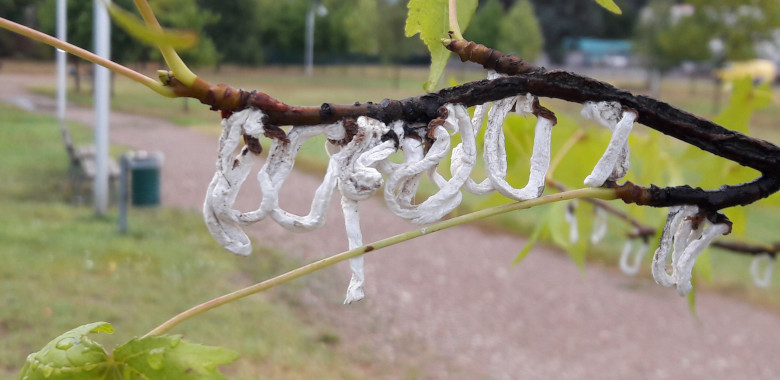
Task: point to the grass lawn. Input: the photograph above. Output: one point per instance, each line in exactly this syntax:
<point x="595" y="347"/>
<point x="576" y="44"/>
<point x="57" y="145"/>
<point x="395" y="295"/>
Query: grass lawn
<point x="63" y="267"/>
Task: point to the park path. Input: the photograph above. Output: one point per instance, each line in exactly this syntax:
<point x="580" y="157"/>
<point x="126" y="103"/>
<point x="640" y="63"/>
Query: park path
<point x="450" y="306"/>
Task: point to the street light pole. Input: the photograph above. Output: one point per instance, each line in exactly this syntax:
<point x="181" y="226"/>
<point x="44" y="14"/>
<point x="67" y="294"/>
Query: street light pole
<point x="309" y="52"/>
<point x="62" y="83"/>
<point x="102" y="96"/>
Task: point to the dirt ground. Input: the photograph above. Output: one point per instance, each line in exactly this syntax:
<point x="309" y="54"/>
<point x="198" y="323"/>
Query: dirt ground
<point x="451" y="306"/>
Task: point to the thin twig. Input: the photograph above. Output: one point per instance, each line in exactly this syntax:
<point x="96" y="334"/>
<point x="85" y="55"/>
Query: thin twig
<point x="173" y="60"/>
<point x="87" y="55"/>
<point x="705" y="134"/>
<point x="709" y="200"/>
<point x="749" y="249"/>
<point x="453" y="16"/>
<point x="641" y="230"/>
<point x="326" y="262"/>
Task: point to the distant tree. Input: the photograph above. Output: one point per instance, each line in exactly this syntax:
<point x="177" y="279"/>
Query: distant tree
<point x="235" y="18"/>
<point x="19" y="11"/>
<point x="124" y="48"/>
<point x="520" y="33"/>
<point x="489" y="15"/>
<point x="738" y="25"/>
<point x="281" y="30"/>
<point x="562" y="19"/>
<point x="670" y="34"/>
<point x="391" y="25"/>
<point x="187" y="14"/>
<point x="361" y="27"/>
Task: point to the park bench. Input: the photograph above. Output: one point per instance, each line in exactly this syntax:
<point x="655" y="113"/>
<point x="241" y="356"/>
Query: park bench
<point x="82" y="167"/>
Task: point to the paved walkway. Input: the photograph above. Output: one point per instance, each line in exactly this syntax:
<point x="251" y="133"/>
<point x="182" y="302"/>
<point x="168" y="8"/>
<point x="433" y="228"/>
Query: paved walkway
<point x="451" y="304"/>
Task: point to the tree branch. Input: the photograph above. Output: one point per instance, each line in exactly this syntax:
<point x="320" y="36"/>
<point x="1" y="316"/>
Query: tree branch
<point x="748" y="249"/>
<point x="704" y="134"/>
<point x="707" y="135"/>
<point x="710" y="200"/>
<point x="641" y="230"/>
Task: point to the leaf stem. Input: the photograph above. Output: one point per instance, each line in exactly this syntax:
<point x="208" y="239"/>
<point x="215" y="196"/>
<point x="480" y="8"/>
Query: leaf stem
<point x="87" y="55"/>
<point x="453" y="14"/>
<point x="600" y="193"/>
<point x="179" y="69"/>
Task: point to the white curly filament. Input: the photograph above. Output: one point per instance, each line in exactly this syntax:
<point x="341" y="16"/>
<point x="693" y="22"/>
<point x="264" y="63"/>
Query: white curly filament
<point x="688" y="258"/>
<point x="599" y="225"/>
<point x="571" y="218"/>
<point x="614" y="163"/>
<point x="358" y="177"/>
<point x="661" y="254"/>
<point x="449" y="196"/>
<point x="220" y="217"/>
<point x="762" y="280"/>
<point x="632" y="268"/>
<point x="403" y="181"/>
<point x="355" y="290"/>
<point x="273" y="175"/>
<point x="685" y="233"/>
<point x="480" y="111"/>
<point x="495" y="149"/>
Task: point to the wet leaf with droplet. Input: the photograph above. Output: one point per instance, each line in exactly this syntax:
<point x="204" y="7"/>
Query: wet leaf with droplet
<point x="71" y="355"/>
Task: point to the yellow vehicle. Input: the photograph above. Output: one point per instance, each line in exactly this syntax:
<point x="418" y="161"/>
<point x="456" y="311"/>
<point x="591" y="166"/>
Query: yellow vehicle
<point x="761" y="70"/>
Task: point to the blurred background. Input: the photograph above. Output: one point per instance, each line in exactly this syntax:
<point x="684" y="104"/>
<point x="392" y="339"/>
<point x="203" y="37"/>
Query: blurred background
<point x="664" y="37"/>
<point x="61" y="266"/>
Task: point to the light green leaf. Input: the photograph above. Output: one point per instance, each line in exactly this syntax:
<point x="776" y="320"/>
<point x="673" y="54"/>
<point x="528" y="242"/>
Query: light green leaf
<point x="610" y="6"/>
<point x="133" y="25"/>
<point x="539" y="228"/>
<point x="745" y="99"/>
<point x="738" y="217"/>
<point x="560" y="233"/>
<point x="430" y="19"/>
<point x="703" y="266"/>
<point x="71" y="355"/>
<point x="559" y="227"/>
<point x="692" y="299"/>
<point x="170" y="357"/>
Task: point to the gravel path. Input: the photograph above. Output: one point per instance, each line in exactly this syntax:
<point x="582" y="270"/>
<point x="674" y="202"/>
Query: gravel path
<point x="450" y="305"/>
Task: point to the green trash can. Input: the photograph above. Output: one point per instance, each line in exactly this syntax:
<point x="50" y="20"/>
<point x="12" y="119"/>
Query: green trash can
<point x="144" y="170"/>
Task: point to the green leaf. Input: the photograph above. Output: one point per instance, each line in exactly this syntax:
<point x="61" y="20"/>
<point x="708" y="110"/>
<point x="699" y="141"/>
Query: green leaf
<point x="539" y="229"/>
<point x="692" y="299"/>
<point x="610" y="6"/>
<point x="170" y="357"/>
<point x="71" y="355"/>
<point x="560" y="231"/>
<point x="430" y="19"/>
<point x="745" y="99"/>
<point x="738" y="217"/>
<point x="703" y="266"/>
<point x="133" y="25"/>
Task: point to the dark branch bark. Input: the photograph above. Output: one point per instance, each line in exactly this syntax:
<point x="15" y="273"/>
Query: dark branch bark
<point x="755" y="153"/>
<point x="748" y="249"/>
<point x="709" y="200"/>
<point x="704" y="134"/>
